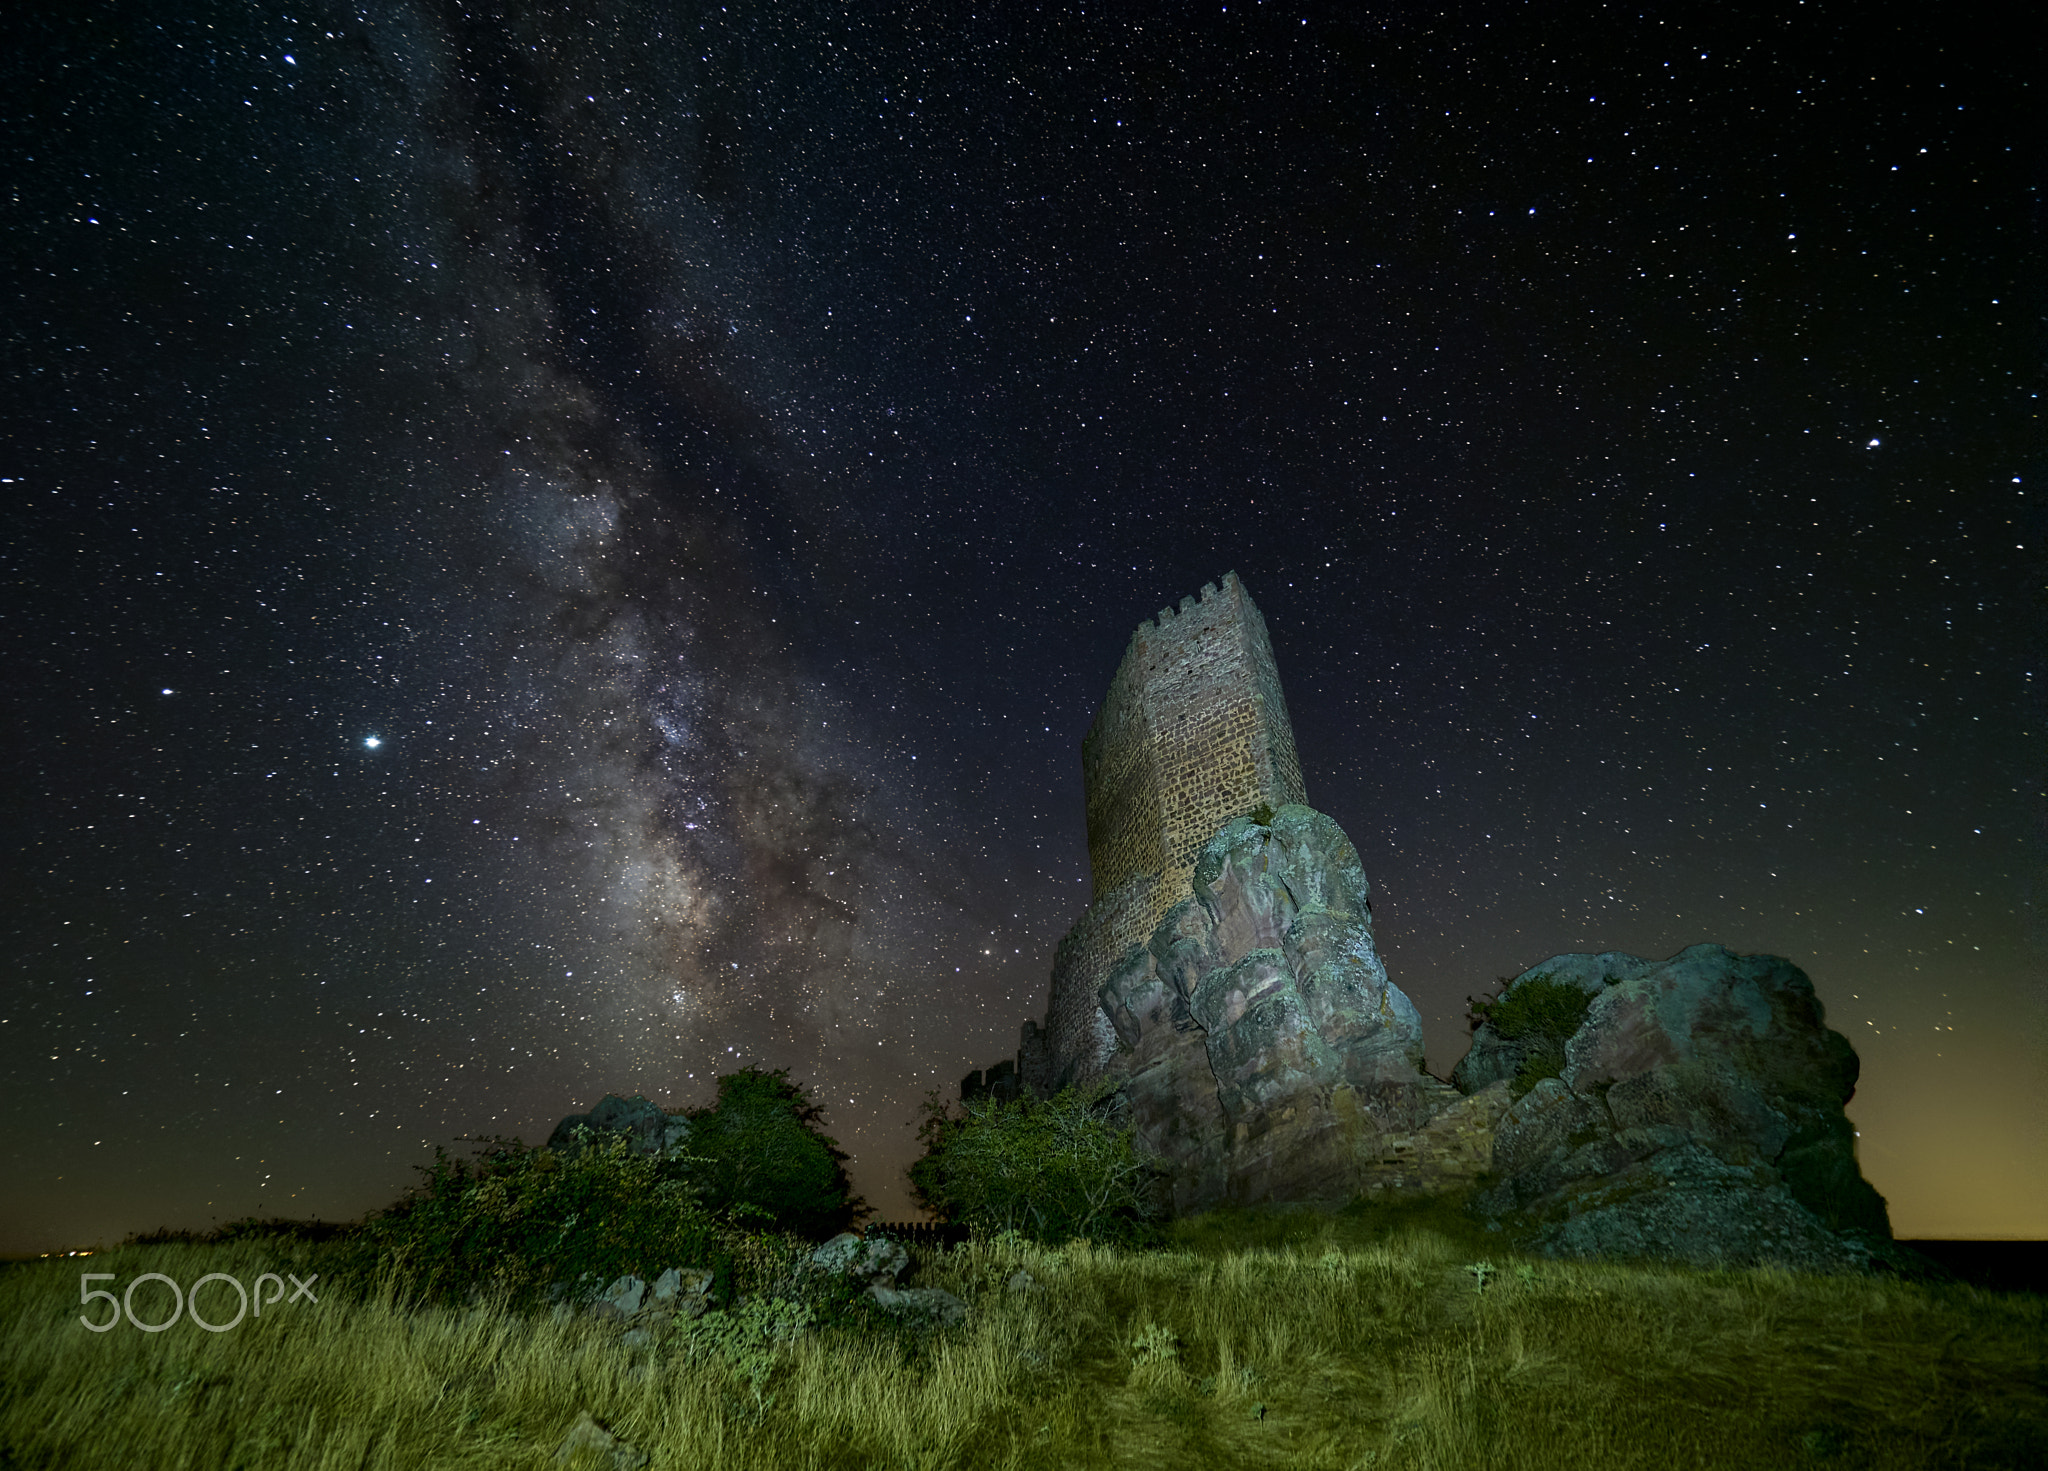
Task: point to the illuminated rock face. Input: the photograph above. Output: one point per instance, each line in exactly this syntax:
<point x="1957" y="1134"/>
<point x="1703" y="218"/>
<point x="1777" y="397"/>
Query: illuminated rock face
<point x="1226" y="976"/>
<point x="647" y="1128"/>
<point x="1192" y="732"/>
<point x="1225" y="969"/>
<point x="1265" y="1055"/>
<point x="1697" y="1115"/>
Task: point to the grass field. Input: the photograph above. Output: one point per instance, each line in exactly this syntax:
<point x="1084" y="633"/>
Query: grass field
<point x="1257" y="1341"/>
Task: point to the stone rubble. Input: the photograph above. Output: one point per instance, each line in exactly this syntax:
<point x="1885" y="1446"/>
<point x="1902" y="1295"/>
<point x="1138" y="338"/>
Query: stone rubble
<point x="681" y="1294"/>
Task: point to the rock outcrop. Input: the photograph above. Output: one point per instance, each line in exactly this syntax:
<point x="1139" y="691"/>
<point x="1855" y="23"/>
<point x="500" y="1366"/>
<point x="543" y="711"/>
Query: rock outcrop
<point x="1696" y="1114"/>
<point x="1610" y="1106"/>
<point x="1263" y="1052"/>
<point x="649" y="1130"/>
<point x="1688" y="1109"/>
<point x="876" y="1261"/>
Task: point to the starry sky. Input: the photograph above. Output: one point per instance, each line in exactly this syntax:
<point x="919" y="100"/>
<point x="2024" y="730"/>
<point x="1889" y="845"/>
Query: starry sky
<point x="562" y="549"/>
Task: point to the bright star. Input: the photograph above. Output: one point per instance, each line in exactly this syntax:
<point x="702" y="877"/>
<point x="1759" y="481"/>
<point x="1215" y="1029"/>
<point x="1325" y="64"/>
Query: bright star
<point x="372" y="742"/>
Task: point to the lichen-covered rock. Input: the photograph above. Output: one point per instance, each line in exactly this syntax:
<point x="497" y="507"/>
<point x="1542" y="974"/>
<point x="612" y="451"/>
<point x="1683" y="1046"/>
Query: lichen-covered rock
<point x="1289" y="912"/>
<point x="1169" y="1091"/>
<point x="1696" y="1115"/>
<point x="685" y="1293"/>
<point x="1263" y="1052"/>
<point x="875" y="1260"/>
<point x="649" y="1130"/>
<point x="1500" y="1051"/>
<point x="620" y="1301"/>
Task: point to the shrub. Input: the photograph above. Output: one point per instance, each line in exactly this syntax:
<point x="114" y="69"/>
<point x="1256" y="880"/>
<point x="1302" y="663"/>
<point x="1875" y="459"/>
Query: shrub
<point x="748" y="1341"/>
<point x="518" y="1219"/>
<point x="1049" y="1170"/>
<point x="760" y="1154"/>
<point x="1542" y="1013"/>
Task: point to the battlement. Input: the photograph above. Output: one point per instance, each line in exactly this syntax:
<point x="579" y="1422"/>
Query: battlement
<point x="1188" y="604"/>
<point x="1193" y="732"/>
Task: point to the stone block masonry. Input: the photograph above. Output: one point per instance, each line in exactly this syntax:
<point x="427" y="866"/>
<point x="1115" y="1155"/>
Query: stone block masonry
<point x="1193" y="732"/>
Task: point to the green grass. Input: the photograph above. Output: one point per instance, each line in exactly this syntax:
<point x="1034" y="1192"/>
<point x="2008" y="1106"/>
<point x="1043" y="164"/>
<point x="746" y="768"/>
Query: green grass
<point x="1255" y="1340"/>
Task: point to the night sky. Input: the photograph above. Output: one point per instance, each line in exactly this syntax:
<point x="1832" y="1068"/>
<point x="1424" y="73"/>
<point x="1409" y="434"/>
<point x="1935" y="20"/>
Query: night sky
<point x="565" y="549"/>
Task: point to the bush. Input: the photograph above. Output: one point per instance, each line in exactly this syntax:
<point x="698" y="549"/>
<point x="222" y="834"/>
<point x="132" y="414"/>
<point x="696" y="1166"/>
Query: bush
<point x="759" y="1154"/>
<point x="518" y="1220"/>
<point x="521" y="1219"/>
<point x="1050" y="1171"/>
<point x="748" y="1341"/>
<point x="1541" y="1012"/>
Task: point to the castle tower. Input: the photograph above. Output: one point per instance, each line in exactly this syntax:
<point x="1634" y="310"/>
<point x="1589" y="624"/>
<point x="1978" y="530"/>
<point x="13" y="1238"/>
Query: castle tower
<point x="1193" y="732"/>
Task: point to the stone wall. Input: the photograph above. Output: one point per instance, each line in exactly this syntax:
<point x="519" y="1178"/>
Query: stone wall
<point x="1193" y="732"/>
<point x="1452" y="1150"/>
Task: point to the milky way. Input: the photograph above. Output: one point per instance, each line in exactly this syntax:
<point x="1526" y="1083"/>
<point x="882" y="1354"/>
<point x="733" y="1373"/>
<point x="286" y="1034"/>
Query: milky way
<point x="566" y="551"/>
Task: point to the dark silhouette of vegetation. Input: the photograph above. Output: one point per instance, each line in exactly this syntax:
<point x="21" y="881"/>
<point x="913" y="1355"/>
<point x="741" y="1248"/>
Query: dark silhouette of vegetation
<point x="249" y="1228"/>
<point x="760" y="1153"/>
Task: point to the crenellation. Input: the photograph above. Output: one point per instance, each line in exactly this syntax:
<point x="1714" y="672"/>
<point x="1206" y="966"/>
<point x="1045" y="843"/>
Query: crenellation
<point x="1192" y="732"/>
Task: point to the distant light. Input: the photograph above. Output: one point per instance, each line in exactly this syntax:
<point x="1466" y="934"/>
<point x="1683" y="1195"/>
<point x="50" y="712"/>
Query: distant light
<point x="288" y="58"/>
<point x="166" y="691"/>
<point x="373" y="742"/>
<point x="1871" y="445"/>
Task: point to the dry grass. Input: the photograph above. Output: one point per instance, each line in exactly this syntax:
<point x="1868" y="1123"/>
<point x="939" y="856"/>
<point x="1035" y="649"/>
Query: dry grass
<point x="1267" y="1342"/>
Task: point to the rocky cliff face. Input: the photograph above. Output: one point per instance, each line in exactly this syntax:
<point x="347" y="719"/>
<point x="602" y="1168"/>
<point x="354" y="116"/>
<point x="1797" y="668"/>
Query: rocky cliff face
<point x="1696" y="1115"/>
<point x="1266" y="1056"/>
<point x="1686" y="1109"/>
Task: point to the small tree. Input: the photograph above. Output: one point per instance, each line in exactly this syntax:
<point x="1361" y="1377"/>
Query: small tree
<point x="1048" y="1170"/>
<point x="760" y="1152"/>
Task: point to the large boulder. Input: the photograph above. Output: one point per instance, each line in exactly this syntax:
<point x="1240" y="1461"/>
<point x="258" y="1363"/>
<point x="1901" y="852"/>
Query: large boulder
<point x="875" y="1260"/>
<point x="645" y="1126"/>
<point x="1694" y="1113"/>
<point x="1263" y="1052"/>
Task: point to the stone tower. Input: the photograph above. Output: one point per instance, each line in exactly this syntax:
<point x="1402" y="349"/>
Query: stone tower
<point x="1192" y="733"/>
